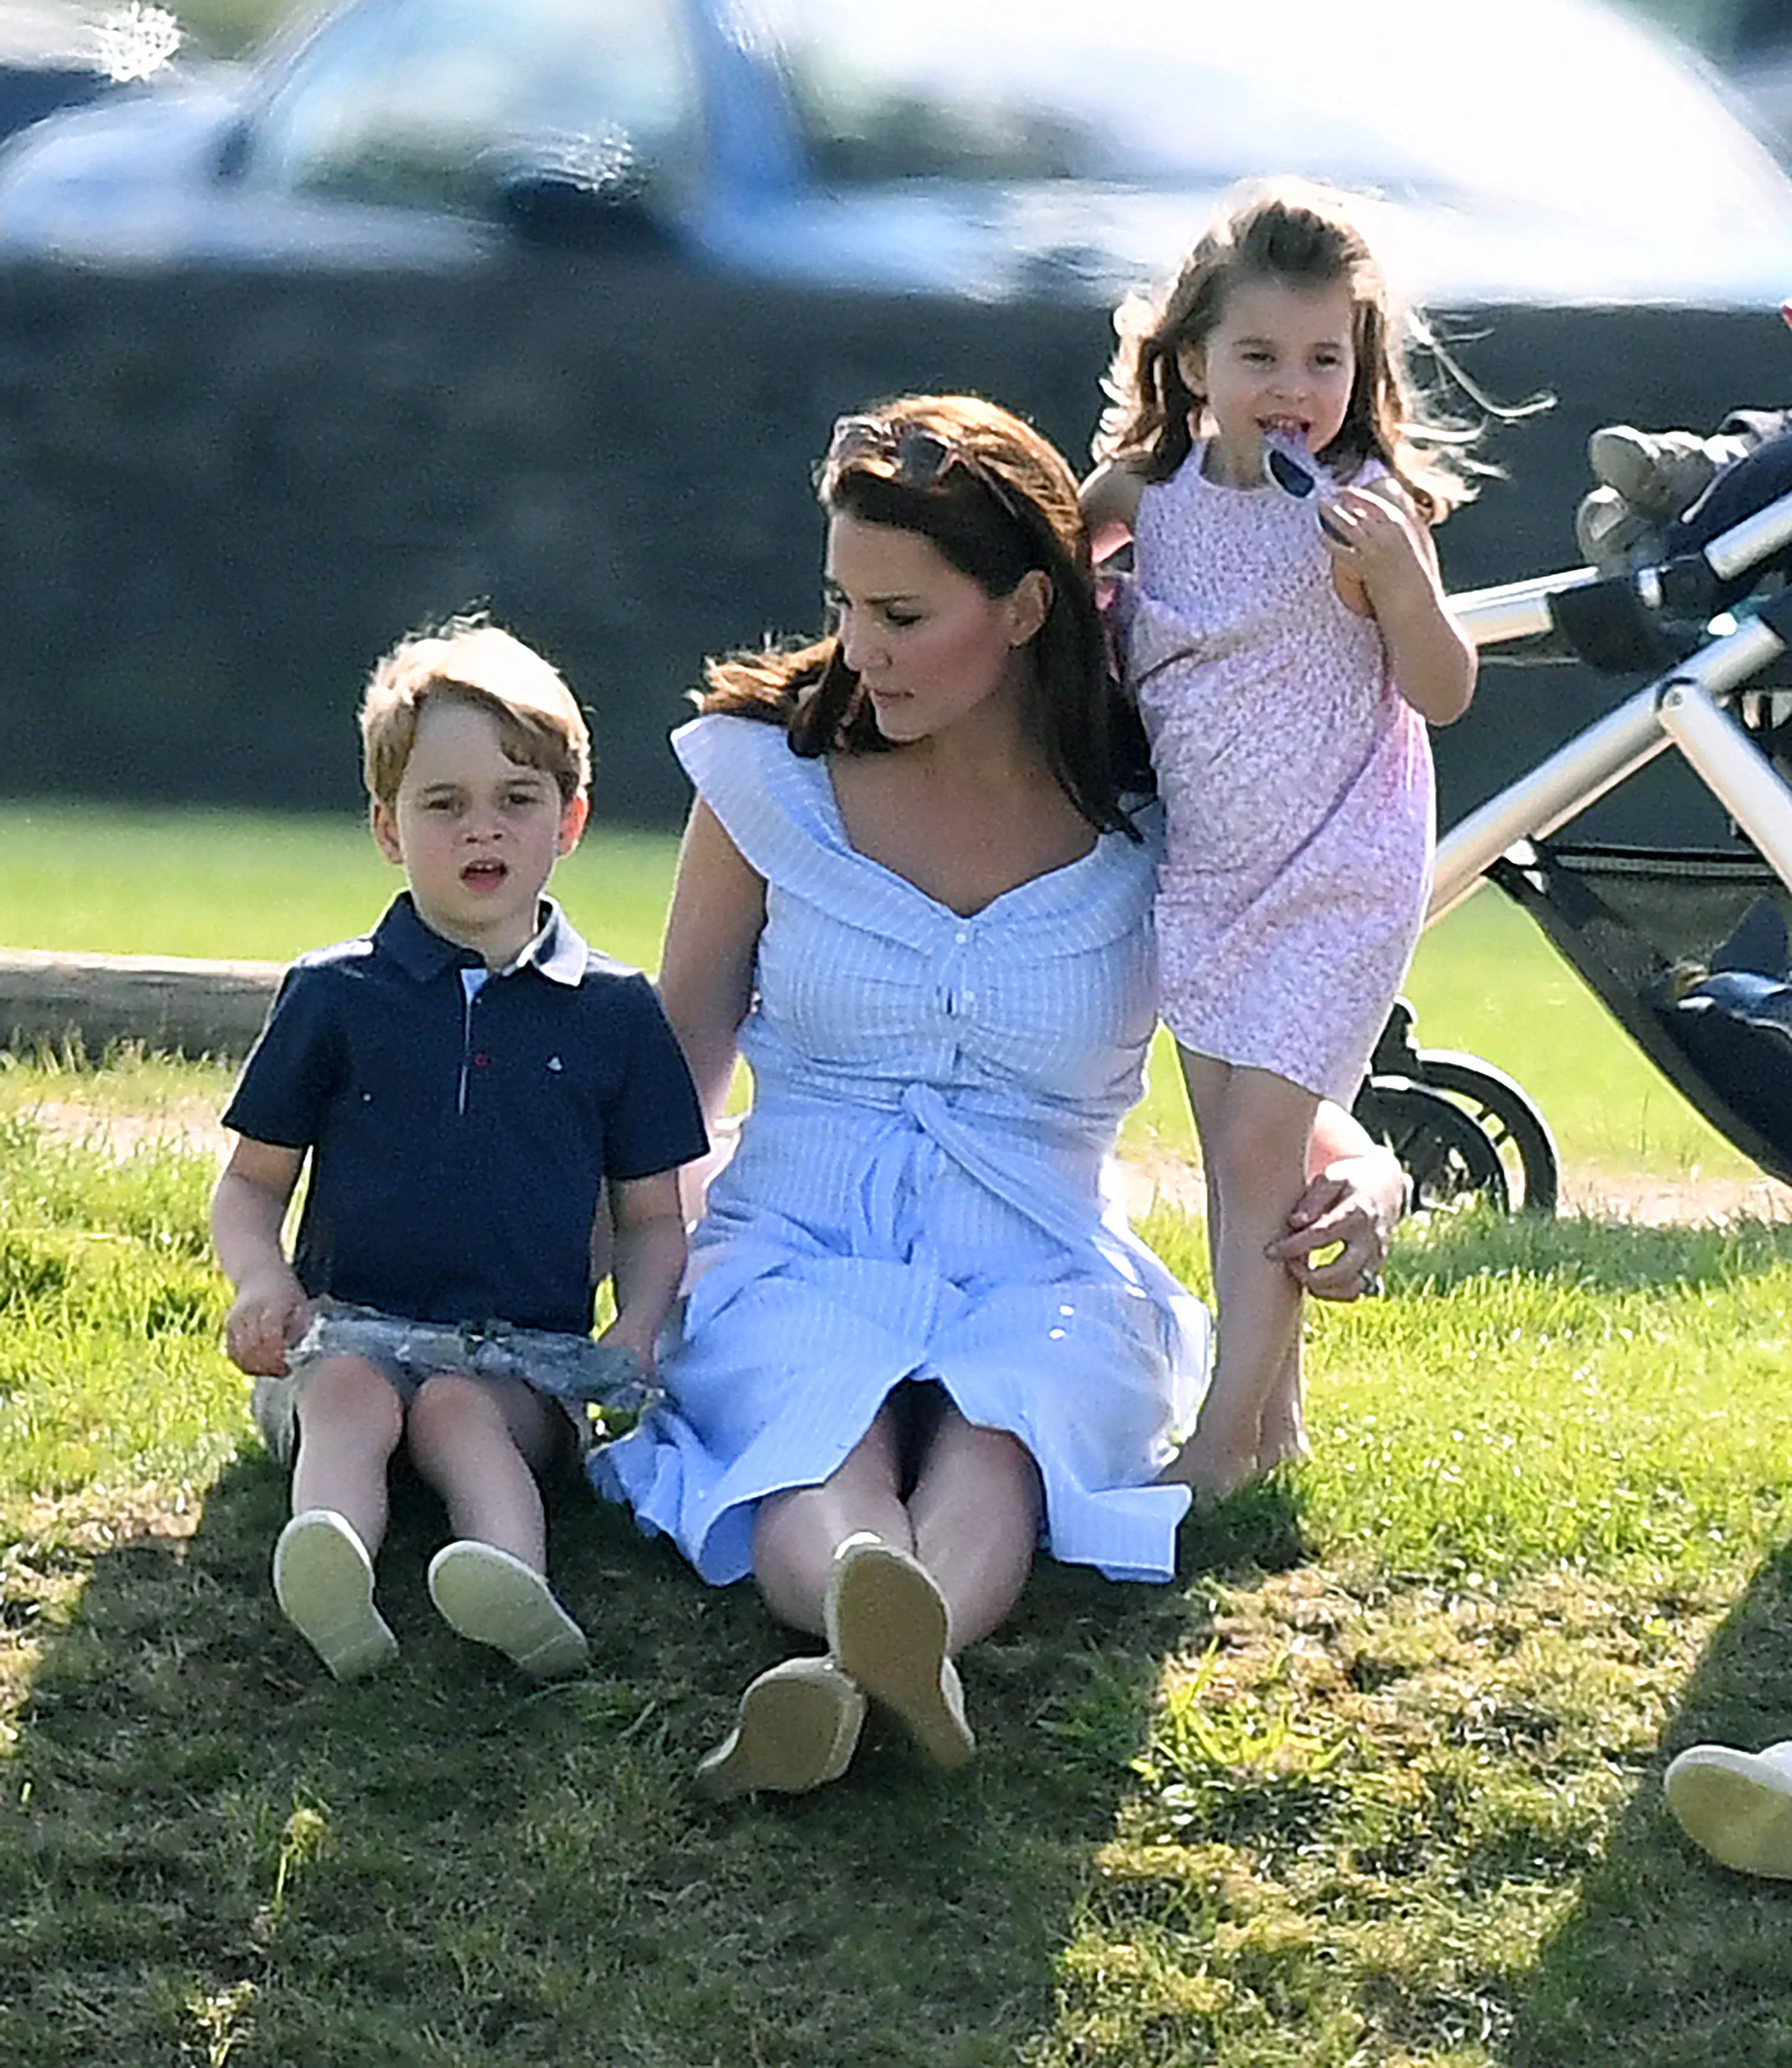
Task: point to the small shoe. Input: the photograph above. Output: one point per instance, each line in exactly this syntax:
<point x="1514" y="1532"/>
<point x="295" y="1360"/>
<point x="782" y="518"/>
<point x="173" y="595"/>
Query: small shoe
<point x="1658" y="473"/>
<point x="798" y="1729"/>
<point x="1738" y="1805"/>
<point x="888" y="1627"/>
<point x="490" y="1597"/>
<point x="324" y="1582"/>
<point x="1614" y="538"/>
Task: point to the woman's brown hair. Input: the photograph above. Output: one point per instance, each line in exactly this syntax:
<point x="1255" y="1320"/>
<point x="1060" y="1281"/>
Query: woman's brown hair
<point x="996" y="501"/>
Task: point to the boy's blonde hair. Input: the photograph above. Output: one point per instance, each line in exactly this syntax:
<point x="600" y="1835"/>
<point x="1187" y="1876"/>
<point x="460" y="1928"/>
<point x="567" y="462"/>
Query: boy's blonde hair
<point x="473" y="661"/>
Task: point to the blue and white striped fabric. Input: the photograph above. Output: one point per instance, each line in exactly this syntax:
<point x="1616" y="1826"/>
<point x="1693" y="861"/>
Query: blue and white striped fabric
<point x="918" y="1192"/>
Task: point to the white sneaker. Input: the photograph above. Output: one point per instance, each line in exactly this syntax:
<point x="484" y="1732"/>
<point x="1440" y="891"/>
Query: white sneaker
<point x="1614" y="538"/>
<point x="1738" y="1805"/>
<point x="491" y="1597"/>
<point x="324" y="1582"/>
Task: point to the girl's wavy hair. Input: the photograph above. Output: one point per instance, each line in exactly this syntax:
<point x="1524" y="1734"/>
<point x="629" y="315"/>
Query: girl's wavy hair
<point x="1300" y="235"/>
<point x="999" y="502"/>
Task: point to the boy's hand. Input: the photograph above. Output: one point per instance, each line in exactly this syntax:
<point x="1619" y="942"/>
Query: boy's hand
<point x="268" y="1315"/>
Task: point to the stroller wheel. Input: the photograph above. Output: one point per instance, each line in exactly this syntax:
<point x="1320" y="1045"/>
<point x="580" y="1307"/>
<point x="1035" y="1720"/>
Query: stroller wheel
<point x="1500" y="1108"/>
<point x="1451" y="1160"/>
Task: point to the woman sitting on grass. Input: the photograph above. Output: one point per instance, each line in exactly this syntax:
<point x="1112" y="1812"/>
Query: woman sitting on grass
<point x="915" y="893"/>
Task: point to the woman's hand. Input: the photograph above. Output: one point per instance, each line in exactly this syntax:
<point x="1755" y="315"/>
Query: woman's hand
<point x="1215" y="1461"/>
<point x="1357" y="1201"/>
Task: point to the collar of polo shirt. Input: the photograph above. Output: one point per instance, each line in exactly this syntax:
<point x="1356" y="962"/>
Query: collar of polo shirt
<point x="558" y="950"/>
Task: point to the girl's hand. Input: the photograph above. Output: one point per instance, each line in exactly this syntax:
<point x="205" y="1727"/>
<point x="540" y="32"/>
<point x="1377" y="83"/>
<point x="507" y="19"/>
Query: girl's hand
<point x="1381" y="544"/>
<point x="1384" y="566"/>
<point x="1357" y="1202"/>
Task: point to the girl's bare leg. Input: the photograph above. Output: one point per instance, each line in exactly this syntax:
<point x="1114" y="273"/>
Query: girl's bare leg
<point x="1281" y="1433"/>
<point x="350" y="1420"/>
<point x="480" y="1444"/>
<point x="975" y="1512"/>
<point x="796" y="1533"/>
<point x="1254" y="1128"/>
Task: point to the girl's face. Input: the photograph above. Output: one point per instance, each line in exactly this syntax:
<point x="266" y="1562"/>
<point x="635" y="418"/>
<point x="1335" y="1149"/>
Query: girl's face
<point x="930" y="646"/>
<point x="1280" y="357"/>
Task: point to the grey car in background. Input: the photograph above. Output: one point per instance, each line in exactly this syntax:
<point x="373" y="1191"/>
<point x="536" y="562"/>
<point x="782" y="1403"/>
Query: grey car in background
<point x="548" y="303"/>
<point x="1552" y="152"/>
<point x="52" y="56"/>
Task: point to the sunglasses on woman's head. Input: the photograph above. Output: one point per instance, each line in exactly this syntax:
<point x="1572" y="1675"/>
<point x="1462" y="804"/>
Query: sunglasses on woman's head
<point x="918" y="457"/>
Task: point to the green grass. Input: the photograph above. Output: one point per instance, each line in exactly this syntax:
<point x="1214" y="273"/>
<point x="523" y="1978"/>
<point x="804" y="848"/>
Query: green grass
<point x="118" y="879"/>
<point x="1375" y="1782"/>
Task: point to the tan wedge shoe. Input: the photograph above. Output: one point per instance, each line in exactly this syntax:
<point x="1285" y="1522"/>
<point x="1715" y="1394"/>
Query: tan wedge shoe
<point x="888" y="1627"/>
<point x="798" y="1729"/>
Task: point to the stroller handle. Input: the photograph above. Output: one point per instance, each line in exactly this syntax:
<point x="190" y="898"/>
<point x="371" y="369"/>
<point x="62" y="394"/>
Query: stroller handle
<point x="1680" y="708"/>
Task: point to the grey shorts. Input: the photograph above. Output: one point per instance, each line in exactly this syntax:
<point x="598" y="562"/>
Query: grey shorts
<point x="574" y="1370"/>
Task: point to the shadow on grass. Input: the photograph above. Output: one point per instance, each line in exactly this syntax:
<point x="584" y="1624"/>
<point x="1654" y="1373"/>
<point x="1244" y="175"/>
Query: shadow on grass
<point x="208" y="1851"/>
<point x="1669" y="1960"/>
<point x="1585" y="1254"/>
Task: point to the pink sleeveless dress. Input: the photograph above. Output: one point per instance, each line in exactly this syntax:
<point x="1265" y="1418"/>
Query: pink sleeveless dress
<point x="1297" y="782"/>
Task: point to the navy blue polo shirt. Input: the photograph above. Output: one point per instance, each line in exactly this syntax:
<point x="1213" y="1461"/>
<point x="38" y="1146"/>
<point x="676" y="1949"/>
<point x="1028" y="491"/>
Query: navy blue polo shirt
<point x="461" y="1133"/>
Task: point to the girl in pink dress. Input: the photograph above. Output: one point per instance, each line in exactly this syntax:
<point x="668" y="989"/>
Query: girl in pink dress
<point x="1286" y="637"/>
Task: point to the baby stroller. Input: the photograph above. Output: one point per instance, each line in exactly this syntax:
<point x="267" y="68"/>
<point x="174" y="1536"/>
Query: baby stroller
<point x="1688" y="948"/>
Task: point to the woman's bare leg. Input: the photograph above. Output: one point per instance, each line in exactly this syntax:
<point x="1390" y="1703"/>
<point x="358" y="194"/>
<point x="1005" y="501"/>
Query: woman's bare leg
<point x="480" y="1444"/>
<point x="796" y="1533"/>
<point x="975" y="1514"/>
<point x="349" y="1420"/>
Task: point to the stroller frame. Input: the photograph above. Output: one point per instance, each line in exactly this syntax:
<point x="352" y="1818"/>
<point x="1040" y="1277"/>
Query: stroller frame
<point x="1462" y="1129"/>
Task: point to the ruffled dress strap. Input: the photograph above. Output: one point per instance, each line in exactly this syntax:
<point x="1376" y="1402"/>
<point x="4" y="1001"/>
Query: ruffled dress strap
<point x="779" y="809"/>
<point x="775" y="806"/>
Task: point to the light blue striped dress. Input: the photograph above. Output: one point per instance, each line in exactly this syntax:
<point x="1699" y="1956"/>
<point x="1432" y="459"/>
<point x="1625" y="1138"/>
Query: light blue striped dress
<point x="917" y="1191"/>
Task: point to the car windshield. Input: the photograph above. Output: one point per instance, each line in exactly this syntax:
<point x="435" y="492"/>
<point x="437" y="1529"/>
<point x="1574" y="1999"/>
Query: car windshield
<point x="1439" y="99"/>
<point x="410" y="100"/>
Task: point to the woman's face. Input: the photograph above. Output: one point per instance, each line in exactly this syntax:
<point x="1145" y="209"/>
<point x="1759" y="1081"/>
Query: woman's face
<point x="930" y="646"/>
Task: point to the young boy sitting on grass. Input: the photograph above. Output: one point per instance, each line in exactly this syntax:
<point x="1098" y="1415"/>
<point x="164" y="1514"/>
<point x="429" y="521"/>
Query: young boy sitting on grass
<point x="472" y="1084"/>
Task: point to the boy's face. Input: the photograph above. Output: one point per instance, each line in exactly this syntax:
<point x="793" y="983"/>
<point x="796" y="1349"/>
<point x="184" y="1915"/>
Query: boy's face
<point x="476" y="833"/>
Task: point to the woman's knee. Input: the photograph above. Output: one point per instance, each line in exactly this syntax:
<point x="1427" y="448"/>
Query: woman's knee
<point x="990" y="1470"/>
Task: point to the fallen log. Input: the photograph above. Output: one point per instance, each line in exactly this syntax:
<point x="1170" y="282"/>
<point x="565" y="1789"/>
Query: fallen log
<point x="168" y="1005"/>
